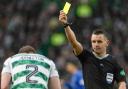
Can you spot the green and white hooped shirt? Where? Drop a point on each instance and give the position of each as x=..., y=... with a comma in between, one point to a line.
x=30, y=71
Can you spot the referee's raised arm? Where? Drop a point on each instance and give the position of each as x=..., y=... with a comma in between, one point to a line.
x=77, y=47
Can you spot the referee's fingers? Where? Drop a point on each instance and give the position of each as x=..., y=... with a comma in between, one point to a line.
x=62, y=12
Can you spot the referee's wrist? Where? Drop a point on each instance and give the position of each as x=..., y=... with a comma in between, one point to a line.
x=66, y=24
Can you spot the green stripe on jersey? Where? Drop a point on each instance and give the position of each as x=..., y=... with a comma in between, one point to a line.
x=21, y=62
x=21, y=74
x=28, y=85
x=24, y=73
x=41, y=75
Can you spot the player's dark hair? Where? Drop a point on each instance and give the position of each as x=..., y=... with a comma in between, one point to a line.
x=27, y=49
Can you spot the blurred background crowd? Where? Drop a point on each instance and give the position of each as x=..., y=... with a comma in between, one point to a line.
x=35, y=22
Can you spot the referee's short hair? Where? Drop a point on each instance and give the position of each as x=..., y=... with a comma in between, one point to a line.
x=99, y=31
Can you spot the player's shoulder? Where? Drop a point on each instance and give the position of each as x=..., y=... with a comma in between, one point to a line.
x=44, y=58
x=11, y=58
x=8, y=59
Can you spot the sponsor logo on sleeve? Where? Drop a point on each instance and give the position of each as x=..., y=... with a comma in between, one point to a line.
x=122, y=73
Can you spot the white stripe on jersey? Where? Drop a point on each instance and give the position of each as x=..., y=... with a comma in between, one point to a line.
x=23, y=79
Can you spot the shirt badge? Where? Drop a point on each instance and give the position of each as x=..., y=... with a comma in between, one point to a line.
x=109, y=78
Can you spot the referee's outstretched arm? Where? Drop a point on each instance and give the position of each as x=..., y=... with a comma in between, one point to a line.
x=77, y=47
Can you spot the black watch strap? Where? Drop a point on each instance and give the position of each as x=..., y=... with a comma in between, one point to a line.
x=66, y=24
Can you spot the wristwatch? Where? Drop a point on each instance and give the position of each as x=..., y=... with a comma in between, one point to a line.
x=66, y=24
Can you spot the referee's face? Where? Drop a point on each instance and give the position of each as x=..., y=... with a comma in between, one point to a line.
x=99, y=43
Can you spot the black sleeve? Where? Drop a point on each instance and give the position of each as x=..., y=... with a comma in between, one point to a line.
x=119, y=73
x=84, y=55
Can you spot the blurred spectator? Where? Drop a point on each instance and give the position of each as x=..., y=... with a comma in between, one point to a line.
x=76, y=80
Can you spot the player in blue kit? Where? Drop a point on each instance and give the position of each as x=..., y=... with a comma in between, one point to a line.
x=76, y=80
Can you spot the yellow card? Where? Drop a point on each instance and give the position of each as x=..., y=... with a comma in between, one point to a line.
x=66, y=7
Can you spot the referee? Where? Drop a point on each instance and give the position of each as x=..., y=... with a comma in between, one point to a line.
x=100, y=70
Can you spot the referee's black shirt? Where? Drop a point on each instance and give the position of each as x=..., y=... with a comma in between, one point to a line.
x=100, y=73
